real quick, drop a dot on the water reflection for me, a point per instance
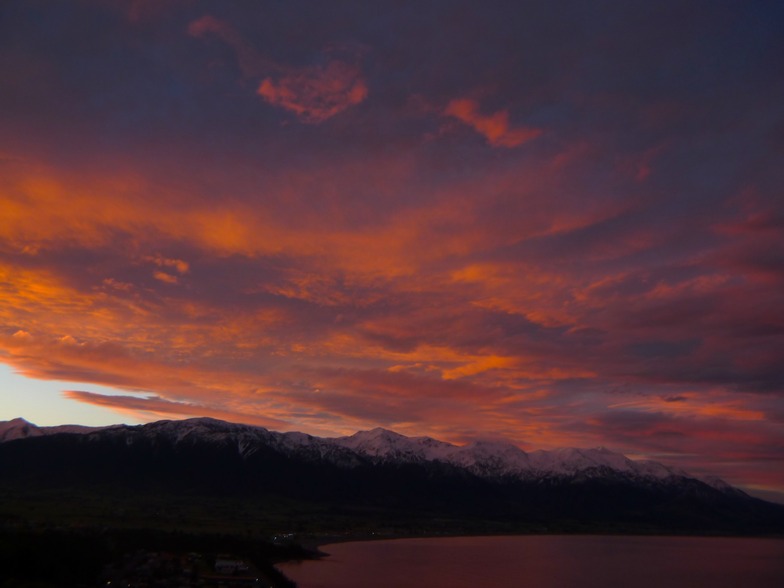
(547, 562)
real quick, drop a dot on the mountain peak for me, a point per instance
(382, 443)
(207, 420)
(485, 458)
(195, 421)
(208, 423)
(378, 432)
(18, 428)
(17, 422)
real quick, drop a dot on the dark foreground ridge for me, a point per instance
(56, 557)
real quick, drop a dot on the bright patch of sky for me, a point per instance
(42, 402)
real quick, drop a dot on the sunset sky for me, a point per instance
(552, 222)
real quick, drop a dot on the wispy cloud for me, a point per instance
(494, 127)
(146, 407)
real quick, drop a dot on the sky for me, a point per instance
(554, 223)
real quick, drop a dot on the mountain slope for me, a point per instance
(378, 474)
(19, 428)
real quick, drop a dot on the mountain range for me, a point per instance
(378, 475)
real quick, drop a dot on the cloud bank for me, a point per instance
(555, 226)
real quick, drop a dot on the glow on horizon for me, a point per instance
(42, 403)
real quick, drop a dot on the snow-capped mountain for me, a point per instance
(500, 459)
(481, 458)
(19, 428)
(376, 473)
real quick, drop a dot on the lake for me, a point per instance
(547, 562)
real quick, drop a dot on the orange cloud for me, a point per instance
(495, 127)
(434, 316)
(719, 405)
(315, 94)
(166, 278)
(178, 264)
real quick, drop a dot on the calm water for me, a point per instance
(547, 562)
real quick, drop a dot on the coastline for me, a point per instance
(314, 543)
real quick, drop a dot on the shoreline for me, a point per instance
(315, 543)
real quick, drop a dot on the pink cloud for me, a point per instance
(495, 127)
(315, 94)
(737, 438)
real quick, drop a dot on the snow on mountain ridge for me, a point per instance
(18, 428)
(486, 458)
(492, 458)
(482, 458)
(502, 459)
(382, 443)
